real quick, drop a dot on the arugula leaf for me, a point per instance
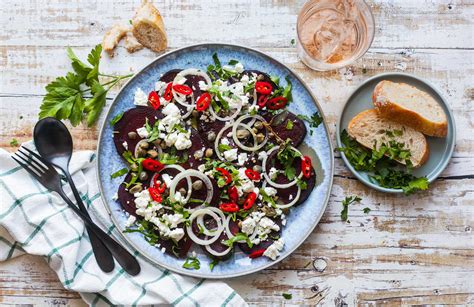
(119, 173)
(238, 237)
(192, 263)
(116, 119)
(287, 296)
(345, 205)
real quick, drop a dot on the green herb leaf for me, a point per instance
(119, 173)
(192, 263)
(213, 263)
(345, 205)
(145, 228)
(366, 210)
(289, 125)
(224, 147)
(238, 237)
(116, 119)
(287, 296)
(14, 142)
(314, 121)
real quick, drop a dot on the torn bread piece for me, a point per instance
(131, 43)
(148, 27)
(113, 37)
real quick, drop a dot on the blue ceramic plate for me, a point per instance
(302, 219)
(441, 149)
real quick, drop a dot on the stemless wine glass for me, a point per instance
(334, 33)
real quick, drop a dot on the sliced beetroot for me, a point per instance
(284, 194)
(177, 249)
(296, 134)
(266, 77)
(198, 144)
(132, 120)
(125, 198)
(205, 127)
(264, 244)
(170, 75)
(217, 245)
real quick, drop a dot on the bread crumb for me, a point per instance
(131, 43)
(112, 38)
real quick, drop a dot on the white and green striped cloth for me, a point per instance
(34, 221)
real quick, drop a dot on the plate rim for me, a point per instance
(450, 118)
(191, 273)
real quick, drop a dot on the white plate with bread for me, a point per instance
(405, 115)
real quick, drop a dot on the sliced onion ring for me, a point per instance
(291, 203)
(170, 166)
(200, 220)
(231, 235)
(237, 123)
(190, 71)
(219, 136)
(269, 180)
(187, 174)
(227, 118)
(214, 237)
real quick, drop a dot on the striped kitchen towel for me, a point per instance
(37, 222)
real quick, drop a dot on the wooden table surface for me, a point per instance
(407, 250)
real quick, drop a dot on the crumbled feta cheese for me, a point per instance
(180, 198)
(160, 85)
(167, 179)
(244, 79)
(125, 145)
(247, 186)
(290, 197)
(180, 80)
(142, 132)
(244, 100)
(225, 141)
(242, 158)
(163, 250)
(273, 251)
(202, 168)
(167, 123)
(273, 173)
(171, 109)
(248, 226)
(253, 109)
(171, 138)
(239, 67)
(183, 141)
(270, 191)
(115, 197)
(203, 86)
(231, 154)
(172, 220)
(176, 234)
(131, 220)
(140, 98)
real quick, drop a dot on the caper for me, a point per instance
(260, 137)
(197, 185)
(157, 142)
(134, 167)
(269, 211)
(182, 191)
(209, 152)
(152, 153)
(198, 154)
(260, 77)
(163, 145)
(143, 176)
(242, 133)
(136, 188)
(211, 136)
(140, 152)
(195, 113)
(257, 168)
(254, 130)
(144, 145)
(258, 125)
(132, 135)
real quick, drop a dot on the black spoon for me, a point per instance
(54, 143)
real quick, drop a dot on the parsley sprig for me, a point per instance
(314, 121)
(65, 96)
(192, 263)
(345, 205)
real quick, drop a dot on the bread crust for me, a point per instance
(148, 16)
(393, 111)
(360, 117)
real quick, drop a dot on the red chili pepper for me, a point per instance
(253, 175)
(168, 95)
(257, 253)
(262, 100)
(277, 103)
(263, 87)
(233, 194)
(152, 165)
(226, 174)
(306, 166)
(203, 102)
(251, 197)
(155, 194)
(182, 89)
(154, 100)
(229, 207)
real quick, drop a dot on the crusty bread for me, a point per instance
(370, 129)
(410, 106)
(112, 38)
(131, 43)
(148, 27)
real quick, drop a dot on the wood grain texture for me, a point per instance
(407, 250)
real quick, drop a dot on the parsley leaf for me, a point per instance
(314, 121)
(287, 296)
(238, 237)
(286, 155)
(116, 119)
(224, 147)
(213, 263)
(289, 125)
(14, 142)
(345, 205)
(145, 228)
(366, 210)
(192, 263)
(64, 97)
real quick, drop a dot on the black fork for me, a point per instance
(47, 175)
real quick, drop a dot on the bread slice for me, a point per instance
(370, 129)
(113, 37)
(410, 106)
(131, 43)
(148, 27)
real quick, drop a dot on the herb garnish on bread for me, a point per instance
(410, 106)
(373, 131)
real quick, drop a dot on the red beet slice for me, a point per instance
(132, 120)
(296, 134)
(125, 198)
(178, 249)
